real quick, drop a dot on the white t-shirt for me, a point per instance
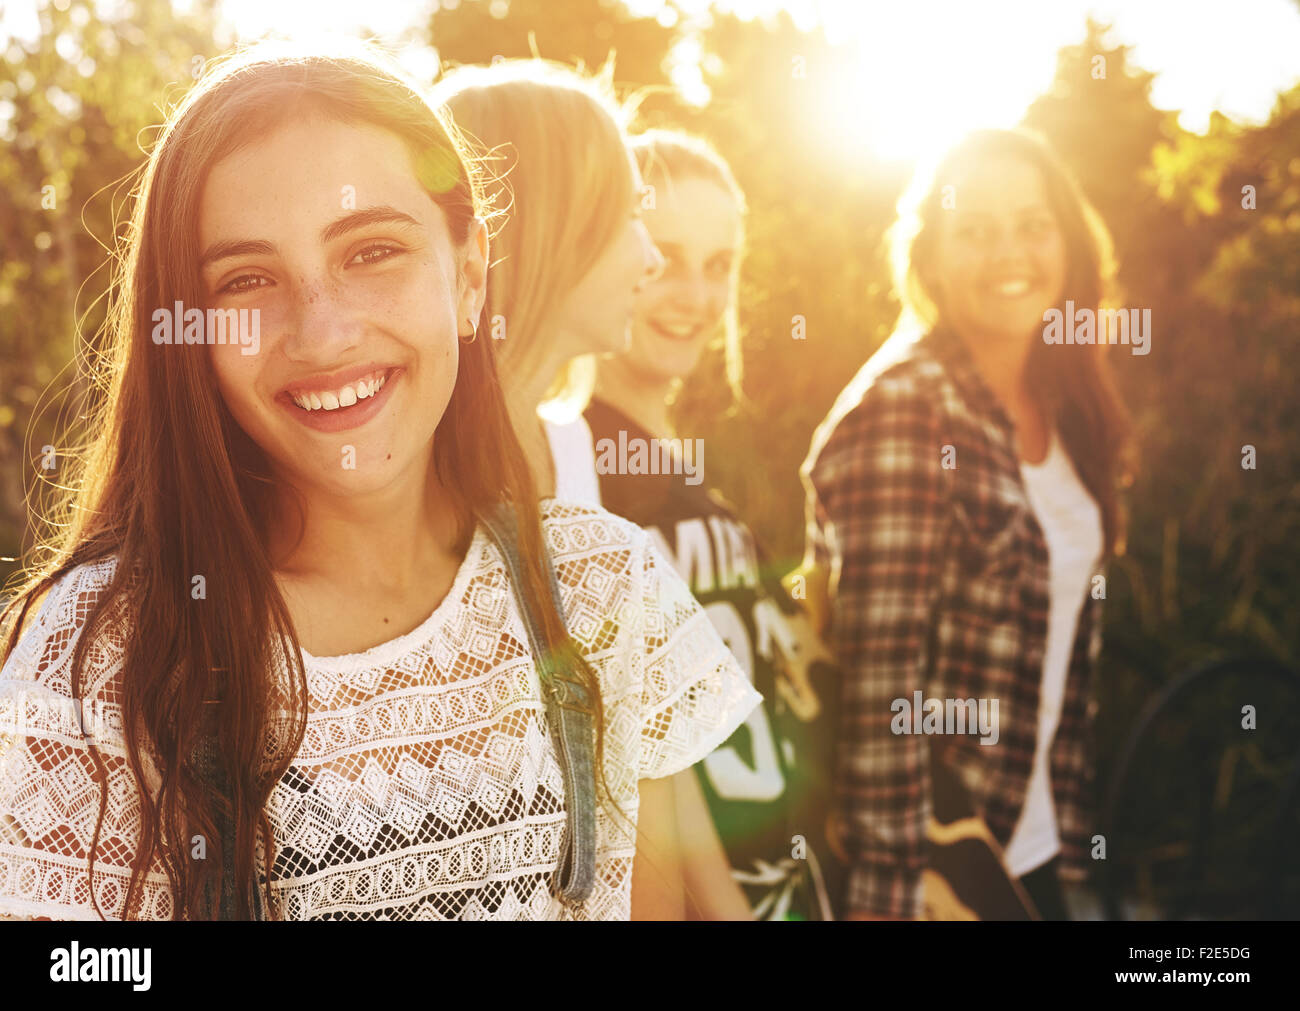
(575, 461)
(427, 786)
(1071, 525)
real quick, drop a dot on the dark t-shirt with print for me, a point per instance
(768, 785)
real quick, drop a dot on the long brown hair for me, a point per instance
(1071, 383)
(172, 486)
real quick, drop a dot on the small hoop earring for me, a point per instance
(473, 333)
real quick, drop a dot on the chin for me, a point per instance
(362, 481)
(668, 366)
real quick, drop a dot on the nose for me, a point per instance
(322, 329)
(1007, 248)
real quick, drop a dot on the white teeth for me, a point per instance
(677, 331)
(346, 396)
(1013, 288)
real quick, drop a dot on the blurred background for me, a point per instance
(1182, 121)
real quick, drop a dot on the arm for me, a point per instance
(878, 492)
(706, 869)
(678, 849)
(657, 892)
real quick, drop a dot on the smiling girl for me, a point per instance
(312, 590)
(963, 491)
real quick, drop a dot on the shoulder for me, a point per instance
(673, 688)
(902, 374)
(575, 528)
(54, 627)
(904, 393)
(607, 567)
(587, 539)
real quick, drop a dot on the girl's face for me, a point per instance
(1000, 255)
(696, 225)
(597, 314)
(323, 229)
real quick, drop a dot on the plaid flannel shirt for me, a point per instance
(940, 583)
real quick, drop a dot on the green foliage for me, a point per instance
(76, 107)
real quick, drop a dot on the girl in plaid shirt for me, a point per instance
(962, 492)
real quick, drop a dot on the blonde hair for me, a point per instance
(670, 156)
(565, 190)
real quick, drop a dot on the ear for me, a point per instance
(473, 278)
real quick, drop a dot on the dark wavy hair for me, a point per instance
(1070, 382)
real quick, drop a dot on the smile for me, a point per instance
(340, 402)
(1012, 289)
(344, 396)
(680, 332)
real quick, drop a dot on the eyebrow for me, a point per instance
(383, 214)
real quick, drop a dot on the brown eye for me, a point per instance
(242, 284)
(376, 253)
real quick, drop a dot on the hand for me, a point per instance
(798, 647)
(835, 836)
(809, 586)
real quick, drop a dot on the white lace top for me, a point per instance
(427, 786)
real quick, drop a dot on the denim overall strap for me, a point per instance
(568, 711)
